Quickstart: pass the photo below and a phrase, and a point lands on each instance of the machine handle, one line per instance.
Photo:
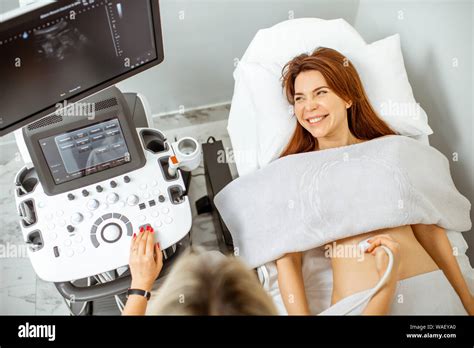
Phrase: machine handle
(75, 293)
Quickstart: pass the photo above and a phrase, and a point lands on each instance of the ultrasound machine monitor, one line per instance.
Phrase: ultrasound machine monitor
(61, 52)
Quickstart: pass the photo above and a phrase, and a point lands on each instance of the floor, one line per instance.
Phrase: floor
(21, 291)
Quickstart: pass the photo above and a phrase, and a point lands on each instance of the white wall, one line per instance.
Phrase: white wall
(200, 49)
(434, 34)
(7, 5)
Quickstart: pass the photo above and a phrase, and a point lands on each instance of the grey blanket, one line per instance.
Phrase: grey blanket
(303, 201)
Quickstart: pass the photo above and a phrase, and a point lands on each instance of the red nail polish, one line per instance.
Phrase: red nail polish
(141, 229)
(148, 228)
(152, 230)
(134, 235)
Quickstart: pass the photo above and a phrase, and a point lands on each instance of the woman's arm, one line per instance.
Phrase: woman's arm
(381, 302)
(290, 282)
(146, 261)
(436, 243)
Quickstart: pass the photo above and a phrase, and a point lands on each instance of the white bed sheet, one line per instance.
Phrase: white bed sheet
(317, 275)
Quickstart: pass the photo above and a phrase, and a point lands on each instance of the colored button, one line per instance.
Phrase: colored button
(129, 228)
(94, 241)
(124, 219)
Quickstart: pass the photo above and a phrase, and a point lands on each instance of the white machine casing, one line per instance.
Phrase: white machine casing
(95, 218)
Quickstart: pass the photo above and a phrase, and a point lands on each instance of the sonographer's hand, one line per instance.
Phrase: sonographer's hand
(381, 257)
(380, 303)
(146, 260)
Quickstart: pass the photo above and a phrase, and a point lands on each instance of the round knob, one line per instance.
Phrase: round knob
(76, 218)
(111, 233)
(132, 199)
(126, 179)
(93, 204)
(161, 198)
(70, 196)
(113, 184)
(112, 198)
(99, 188)
(85, 193)
(70, 228)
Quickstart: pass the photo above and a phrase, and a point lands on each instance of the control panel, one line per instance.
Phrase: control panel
(87, 230)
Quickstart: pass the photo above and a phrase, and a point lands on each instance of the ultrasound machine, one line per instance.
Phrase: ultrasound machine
(96, 170)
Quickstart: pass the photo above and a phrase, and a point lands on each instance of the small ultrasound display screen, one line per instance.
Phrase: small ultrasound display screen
(85, 151)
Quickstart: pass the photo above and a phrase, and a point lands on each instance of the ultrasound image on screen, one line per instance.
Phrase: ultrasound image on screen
(85, 151)
(69, 50)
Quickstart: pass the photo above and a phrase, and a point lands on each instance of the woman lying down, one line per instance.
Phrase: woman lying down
(334, 155)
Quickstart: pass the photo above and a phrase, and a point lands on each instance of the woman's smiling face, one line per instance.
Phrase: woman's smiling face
(318, 109)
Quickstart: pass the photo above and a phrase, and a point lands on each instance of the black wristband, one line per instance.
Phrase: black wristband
(140, 292)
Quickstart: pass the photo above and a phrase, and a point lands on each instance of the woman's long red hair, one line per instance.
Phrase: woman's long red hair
(343, 79)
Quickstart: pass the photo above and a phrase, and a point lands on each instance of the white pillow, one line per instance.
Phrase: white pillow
(265, 124)
(382, 71)
(242, 127)
(285, 40)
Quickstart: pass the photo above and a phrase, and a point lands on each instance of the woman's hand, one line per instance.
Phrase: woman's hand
(381, 257)
(146, 259)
